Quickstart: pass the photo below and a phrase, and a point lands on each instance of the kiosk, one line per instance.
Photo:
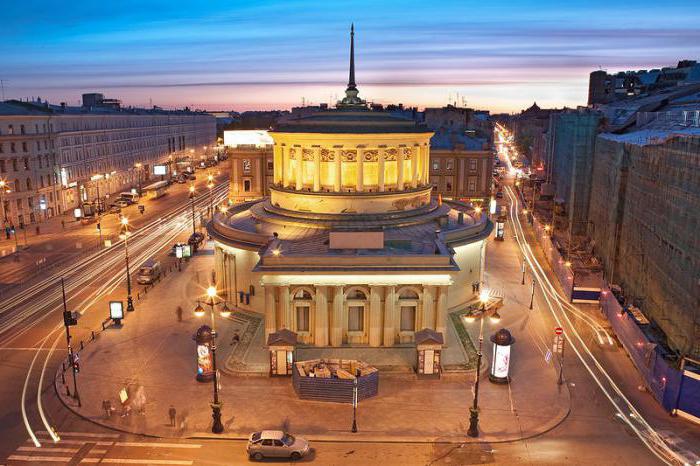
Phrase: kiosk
(281, 345)
(428, 346)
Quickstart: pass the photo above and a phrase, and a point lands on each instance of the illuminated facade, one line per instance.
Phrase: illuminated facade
(350, 248)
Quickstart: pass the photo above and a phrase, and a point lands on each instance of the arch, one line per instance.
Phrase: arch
(408, 292)
(303, 293)
(357, 292)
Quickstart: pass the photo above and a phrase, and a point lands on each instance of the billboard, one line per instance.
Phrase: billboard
(160, 169)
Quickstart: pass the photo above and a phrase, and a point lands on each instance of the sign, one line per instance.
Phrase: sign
(558, 346)
(558, 331)
(186, 250)
(178, 252)
(501, 361)
(492, 206)
(123, 395)
(205, 364)
(160, 169)
(116, 310)
(78, 212)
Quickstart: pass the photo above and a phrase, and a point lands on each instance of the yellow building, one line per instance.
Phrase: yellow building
(350, 248)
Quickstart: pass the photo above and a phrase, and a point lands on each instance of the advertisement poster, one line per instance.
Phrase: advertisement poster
(204, 360)
(501, 361)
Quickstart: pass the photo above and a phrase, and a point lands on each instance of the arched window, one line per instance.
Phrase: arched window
(302, 294)
(408, 304)
(357, 302)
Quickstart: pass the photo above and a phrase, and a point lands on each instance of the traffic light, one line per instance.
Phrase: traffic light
(76, 366)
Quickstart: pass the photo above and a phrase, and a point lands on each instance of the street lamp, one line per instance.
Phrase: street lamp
(210, 185)
(125, 235)
(217, 427)
(473, 430)
(192, 196)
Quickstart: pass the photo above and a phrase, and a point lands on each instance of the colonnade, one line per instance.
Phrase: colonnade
(334, 169)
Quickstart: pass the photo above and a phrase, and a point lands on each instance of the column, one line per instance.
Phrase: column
(277, 163)
(299, 169)
(375, 317)
(414, 166)
(441, 313)
(285, 309)
(426, 165)
(337, 321)
(321, 328)
(360, 182)
(380, 173)
(285, 167)
(399, 168)
(428, 316)
(389, 313)
(317, 169)
(270, 307)
(337, 185)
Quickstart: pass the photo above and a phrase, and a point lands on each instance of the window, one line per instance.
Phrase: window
(356, 318)
(267, 442)
(448, 186)
(302, 318)
(449, 164)
(246, 185)
(471, 187)
(25, 162)
(29, 184)
(21, 129)
(10, 129)
(270, 166)
(472, 165)
(436, 165)
(408, 318)
(1, 149)
(2, 166)
(17, 186)
(12, 147)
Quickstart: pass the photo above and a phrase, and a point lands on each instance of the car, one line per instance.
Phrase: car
(276, 444)
(195, 240)
(114, 209)
(122, 203)
(149, 272)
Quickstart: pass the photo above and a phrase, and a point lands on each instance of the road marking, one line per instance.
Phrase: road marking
(49, 449)
(157, 445)
(82, 434)
(81, 442)
(48, 459)
(133, 461)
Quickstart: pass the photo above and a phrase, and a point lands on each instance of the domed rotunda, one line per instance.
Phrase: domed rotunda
(350, 248)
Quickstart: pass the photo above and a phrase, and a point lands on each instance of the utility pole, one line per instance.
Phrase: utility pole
(68, 321)
(522, 282)
(354, 403)
(561, 360)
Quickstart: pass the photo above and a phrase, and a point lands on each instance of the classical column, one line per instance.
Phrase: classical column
(426, 165)
(389, 315)
(317, 169)
(428, 320)
(375, 316)
(337, 320)
(441, 312)
(360, 182)
(285, 309)
(338, 170)
(399, 168)
(285, 167)
(270, 307)
(414, 166)
(277, 163)
(300, 169)
(380, 172)
(321, 327)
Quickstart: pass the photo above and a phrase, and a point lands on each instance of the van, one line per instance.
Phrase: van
(149, 272)
(130, 197)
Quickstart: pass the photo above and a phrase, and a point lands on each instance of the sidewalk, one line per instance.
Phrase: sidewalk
(156, 352)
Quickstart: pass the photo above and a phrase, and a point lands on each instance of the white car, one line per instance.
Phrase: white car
(276, 444)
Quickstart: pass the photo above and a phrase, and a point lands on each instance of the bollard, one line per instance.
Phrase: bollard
(63, 366)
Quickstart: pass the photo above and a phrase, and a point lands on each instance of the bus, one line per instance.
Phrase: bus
(156, 190)
(132, 197)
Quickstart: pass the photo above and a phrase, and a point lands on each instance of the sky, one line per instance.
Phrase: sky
(241, 55)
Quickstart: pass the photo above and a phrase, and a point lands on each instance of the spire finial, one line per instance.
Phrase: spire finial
(351, 79)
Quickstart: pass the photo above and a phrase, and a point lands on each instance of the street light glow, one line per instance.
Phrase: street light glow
(124, 221)
(199, 310)
(484, 296)
(495, 317)
(211, 291)
(225, 311)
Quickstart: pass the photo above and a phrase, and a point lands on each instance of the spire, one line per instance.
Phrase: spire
(351, 79)
(351, 99)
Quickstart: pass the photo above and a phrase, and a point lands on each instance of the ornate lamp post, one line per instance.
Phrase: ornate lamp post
(473, 430)
(213, 301)
(125, 235)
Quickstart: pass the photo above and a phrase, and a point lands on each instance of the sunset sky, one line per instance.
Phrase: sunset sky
(240, 55)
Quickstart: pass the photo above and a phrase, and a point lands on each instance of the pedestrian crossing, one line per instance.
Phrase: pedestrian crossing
(76, 448)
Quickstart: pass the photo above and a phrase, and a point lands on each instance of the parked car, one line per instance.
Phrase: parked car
(149, 272)
(276, 444)
(122, 203)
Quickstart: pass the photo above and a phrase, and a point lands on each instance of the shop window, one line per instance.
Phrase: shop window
(356, 318)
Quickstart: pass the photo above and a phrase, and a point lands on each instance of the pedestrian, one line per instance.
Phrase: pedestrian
(63, 224)
(107, 407)
(178, 311)
(172, 414)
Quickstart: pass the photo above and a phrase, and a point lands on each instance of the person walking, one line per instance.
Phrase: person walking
(107, 407)
(172, 414)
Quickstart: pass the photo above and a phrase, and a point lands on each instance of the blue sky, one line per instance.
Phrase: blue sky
(271, 54)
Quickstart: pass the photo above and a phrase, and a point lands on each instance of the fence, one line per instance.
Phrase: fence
(676, 386)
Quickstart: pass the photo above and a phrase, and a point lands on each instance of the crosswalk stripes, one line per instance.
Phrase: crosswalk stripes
(98, 448)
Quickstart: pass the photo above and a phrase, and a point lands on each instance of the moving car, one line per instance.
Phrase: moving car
(149, 272)
(114, 209)
(122, 203)
(276, 444)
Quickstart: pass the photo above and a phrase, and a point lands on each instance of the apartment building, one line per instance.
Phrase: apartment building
(55, 157)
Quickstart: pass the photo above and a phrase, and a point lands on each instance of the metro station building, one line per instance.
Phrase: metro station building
(350, 248)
